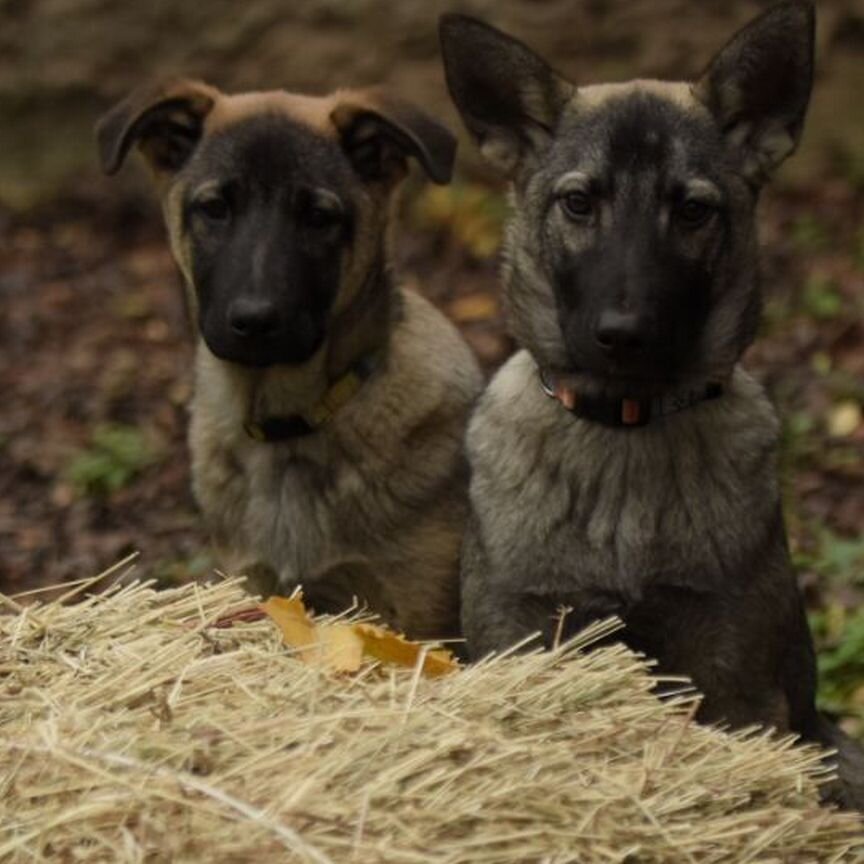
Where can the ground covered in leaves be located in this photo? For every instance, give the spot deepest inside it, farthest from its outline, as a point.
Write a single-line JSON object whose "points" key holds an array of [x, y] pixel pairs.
{"points": [[95, 357]]}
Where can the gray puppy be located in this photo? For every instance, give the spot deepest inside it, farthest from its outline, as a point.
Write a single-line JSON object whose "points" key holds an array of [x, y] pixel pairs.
{"points": [[623, 462], [329, 404]]}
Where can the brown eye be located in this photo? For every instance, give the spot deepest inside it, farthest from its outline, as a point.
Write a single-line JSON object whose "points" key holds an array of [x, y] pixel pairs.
{"points": [[214, 209], [322, 210], [576, 205], [693, 213], [321, 217]]}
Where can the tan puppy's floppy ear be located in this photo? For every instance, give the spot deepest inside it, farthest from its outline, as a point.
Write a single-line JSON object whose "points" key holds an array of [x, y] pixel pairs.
{"points": [[380, 132], [165, 121], [758, 86]]}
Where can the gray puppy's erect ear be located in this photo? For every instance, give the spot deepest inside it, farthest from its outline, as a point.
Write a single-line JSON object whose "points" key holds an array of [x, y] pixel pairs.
{"points": [[509, 98], [165, 120], [758, 86], [379, 132]]}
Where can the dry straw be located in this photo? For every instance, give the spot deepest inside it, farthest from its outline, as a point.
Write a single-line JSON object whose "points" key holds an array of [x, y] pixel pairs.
{"points": [[134, 731]]}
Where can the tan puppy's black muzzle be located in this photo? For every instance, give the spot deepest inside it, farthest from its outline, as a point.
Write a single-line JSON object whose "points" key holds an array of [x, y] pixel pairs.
{"points": [[255, 335], [252, 318]]}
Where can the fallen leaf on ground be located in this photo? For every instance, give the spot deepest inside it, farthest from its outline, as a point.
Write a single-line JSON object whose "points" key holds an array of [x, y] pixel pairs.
{"points": [[480, 306], [844, 419]]}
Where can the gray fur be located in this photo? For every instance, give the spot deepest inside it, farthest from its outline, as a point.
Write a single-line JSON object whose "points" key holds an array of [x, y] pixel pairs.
{"points": [[570, 513], [676, 526]]}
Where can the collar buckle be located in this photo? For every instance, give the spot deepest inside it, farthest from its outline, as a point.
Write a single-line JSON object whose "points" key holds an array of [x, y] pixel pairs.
{"points": [[281, 428]]}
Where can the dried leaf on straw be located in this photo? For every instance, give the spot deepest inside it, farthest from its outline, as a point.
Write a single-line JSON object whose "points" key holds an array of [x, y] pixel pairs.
{"points": [[390, 647], [292, 619], [341, 647]]}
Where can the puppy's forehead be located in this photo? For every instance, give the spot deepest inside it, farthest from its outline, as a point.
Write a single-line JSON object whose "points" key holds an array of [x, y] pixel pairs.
{"points": [[312, 112], [677, 93], [270, 138], [637, 126]]}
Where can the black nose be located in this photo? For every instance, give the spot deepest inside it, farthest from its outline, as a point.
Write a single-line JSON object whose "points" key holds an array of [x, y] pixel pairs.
{"points": [[251, 317], [617, 332]]}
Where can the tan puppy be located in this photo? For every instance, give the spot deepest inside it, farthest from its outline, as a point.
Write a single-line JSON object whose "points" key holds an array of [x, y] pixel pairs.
{"points": [[329, 403]]}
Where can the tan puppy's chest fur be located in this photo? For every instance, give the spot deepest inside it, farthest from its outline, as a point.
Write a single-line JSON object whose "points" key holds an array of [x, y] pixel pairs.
{"points": [[378, 494]]}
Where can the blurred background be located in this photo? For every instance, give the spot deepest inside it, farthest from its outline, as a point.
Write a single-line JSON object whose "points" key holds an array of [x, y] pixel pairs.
{"points": [[95, 347]]}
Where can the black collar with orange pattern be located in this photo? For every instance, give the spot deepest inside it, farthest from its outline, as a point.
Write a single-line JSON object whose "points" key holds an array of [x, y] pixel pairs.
{"points": [[624, 413]]}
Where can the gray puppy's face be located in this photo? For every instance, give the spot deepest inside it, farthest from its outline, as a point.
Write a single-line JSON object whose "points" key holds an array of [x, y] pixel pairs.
{"points": [[631, 255]]}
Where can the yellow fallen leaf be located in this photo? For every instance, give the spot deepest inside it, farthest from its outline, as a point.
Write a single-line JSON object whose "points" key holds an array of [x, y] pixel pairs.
{"points": [[341, 647], [291, 617], [844, 419], [471, 214], [480, 306], [390, 647], [332, 646]]}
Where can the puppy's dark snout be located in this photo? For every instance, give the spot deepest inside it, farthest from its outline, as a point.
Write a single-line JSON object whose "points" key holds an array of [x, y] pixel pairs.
{"points": [[251, 317], [617, 332]]}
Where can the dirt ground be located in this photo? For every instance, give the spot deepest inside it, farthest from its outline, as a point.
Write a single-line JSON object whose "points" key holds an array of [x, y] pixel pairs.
{"points": [[93, 332], [95, 354]]}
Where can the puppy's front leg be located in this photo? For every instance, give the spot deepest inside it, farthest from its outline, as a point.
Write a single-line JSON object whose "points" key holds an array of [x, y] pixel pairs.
{"points": [[494, 619], [348, 583]]}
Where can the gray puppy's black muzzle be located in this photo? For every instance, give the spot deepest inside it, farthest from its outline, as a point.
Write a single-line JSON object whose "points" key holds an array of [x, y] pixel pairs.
{"points": [[615, 344]]}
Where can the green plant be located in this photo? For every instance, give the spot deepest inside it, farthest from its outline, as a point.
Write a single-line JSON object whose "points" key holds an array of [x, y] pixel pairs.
{"points": [[838, 627], [840, 639], [115, 455], [808, 234], [173, 572], [821, 298], [839, 559]]}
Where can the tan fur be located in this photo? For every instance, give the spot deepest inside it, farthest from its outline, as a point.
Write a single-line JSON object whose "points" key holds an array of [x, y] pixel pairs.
{"points": [[313, 111], [680, 93], [382, 487], [372, 505]]}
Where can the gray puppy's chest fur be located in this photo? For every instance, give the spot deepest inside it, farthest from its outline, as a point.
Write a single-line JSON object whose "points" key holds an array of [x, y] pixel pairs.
{"points": [[567, 507]]}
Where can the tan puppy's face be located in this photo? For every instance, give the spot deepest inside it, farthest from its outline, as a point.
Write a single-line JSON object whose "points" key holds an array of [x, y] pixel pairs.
{"points": [[276, 204]]}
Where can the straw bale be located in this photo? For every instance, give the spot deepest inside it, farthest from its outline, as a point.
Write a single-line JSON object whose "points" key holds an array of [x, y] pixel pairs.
{"points": [[132, 730]]}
